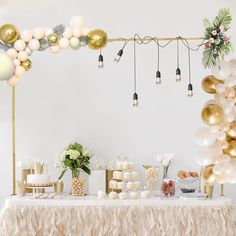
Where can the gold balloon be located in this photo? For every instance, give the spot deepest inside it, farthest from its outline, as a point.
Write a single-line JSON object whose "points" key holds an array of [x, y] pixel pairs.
{"points": [[97, 39], [231, 150], [209, 84], [27, 64], [231, 132], [9, 33], [53, 39], [212, 114], [208, 175]]}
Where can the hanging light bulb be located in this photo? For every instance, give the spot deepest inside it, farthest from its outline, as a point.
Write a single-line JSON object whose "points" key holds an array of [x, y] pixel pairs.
{"points": [[178, 71], [178, 75], [119, 55], [190, 90], [158, 78], [135, 99], [100, 61]]}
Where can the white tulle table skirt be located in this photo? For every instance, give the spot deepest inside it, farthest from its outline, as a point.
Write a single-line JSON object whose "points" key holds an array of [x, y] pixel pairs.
{"points": [[89, 216]]}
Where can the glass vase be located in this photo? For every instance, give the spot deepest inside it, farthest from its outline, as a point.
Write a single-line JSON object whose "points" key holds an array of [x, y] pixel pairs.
{"points": [[168, 188], [78, 184]]}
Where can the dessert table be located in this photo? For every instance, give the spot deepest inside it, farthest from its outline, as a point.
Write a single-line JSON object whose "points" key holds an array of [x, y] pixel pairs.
{"points": [[74, 216]]}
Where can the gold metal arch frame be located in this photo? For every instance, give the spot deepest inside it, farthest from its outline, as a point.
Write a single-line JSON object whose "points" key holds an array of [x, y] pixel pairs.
{"points": [[14, 100]]}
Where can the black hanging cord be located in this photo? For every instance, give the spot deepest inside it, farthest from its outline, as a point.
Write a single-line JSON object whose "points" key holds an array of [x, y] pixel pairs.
{"points": [[135, 82], [178, 52]]}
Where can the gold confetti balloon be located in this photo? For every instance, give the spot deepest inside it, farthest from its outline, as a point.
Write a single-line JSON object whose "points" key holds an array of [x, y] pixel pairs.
{"points": [[212, 114], [231, 132], [27, 64], [208, 175], [9, 33], [209, 84], [97, 39], [231, 150], [53, 39]]}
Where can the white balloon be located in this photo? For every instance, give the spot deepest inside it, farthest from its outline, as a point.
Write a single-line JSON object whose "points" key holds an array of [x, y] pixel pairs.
{"points": [[64, 43], [12, 53], [55, 49], [16, 62], [220, 135], [229, 117], [225, 158], [232, 64], [74, 43], [222, 70], [220, 88], [204, 156], [217, 170], [77, 22], [48, 31], [230, 92], [34, 44], [19, 71], [227, 167], [22, 56], [13, 80], [77, 32], [230, 81], [19, 45], [224, 126], [67, 33], [85, 31], [227, 108], [26, 35], [38, 32], [205, 137], [7, 67]]}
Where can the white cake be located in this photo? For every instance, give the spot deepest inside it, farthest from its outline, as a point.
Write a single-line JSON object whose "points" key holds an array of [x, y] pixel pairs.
{"points": [[38, 180]]}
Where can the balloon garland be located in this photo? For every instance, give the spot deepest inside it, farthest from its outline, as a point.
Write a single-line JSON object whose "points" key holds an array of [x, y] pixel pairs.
{"points": [[19, 46], [218, 141]]}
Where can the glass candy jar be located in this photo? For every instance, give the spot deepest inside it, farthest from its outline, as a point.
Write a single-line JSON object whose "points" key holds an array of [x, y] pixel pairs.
{"points": [[168, 188]]}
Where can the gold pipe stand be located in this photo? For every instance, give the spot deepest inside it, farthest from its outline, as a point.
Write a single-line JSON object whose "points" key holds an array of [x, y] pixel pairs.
{"points": [[13, 141], [151, 39], [222, 190]]}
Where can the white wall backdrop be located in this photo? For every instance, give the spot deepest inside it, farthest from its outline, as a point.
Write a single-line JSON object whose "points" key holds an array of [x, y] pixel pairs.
{"points": [[65, 97]]}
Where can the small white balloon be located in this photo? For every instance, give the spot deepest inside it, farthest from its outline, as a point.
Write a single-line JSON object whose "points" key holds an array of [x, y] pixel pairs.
{"points": [[77, 32], [230, 81], [77, 22], [26, 35], [22, 56], [205, 137], [13, 80], [220, 88], [16, 62], [229, 117], [19, 71], [85, 31], [12, 52], [222, 70], [221, 136], [74, 43], [48, 31], [55, 49], [232, 64], [34, 44], [19, 45], [7, 67], [67, 33], [225, 158], [227, 167], [38, 32], [64, 43], [230, 92]]}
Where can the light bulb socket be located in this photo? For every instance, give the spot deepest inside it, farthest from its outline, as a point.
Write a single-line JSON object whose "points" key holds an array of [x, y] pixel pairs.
{"points": [[178, 71], [190, 90], [158, 74], [120, 53], [178, 75], [100, 58], [135, 99]]}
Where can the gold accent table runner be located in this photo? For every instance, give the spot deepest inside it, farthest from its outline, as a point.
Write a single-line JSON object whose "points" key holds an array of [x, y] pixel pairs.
{"points": [[85, 216]]}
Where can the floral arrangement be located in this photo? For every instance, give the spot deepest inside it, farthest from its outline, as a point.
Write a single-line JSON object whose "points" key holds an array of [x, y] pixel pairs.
{"points": [[75, 158], [165, 161], [218, 43]]}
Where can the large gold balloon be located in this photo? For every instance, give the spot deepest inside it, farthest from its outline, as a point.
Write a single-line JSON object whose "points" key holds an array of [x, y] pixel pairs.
{"points": [[212, 114], [208, 175], [231, 132], [9, 34], [53, 39], [231, 150], [27, 64], [209, 84], [97, 39]]}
